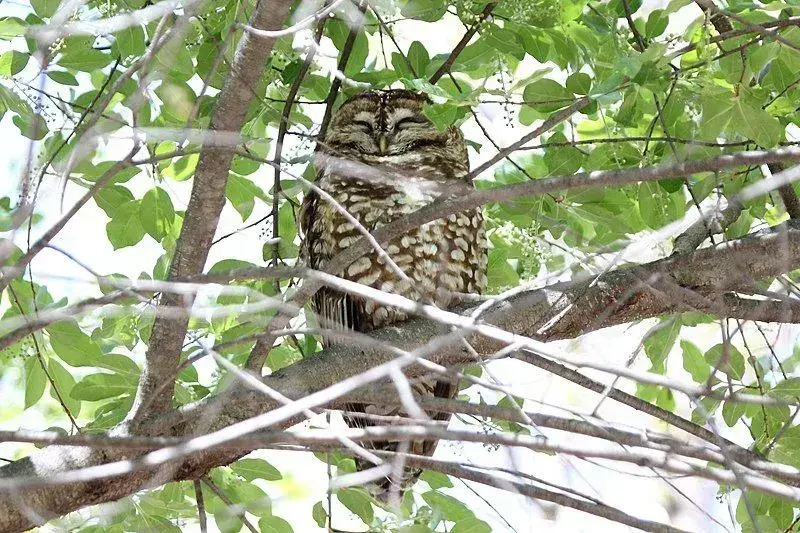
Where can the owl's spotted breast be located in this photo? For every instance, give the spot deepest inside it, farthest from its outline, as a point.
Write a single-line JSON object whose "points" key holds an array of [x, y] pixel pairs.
{"points": [[440, 259]]}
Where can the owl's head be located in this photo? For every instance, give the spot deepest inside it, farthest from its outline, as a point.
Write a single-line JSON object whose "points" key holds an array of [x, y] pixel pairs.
{"points": [[388, 123]]}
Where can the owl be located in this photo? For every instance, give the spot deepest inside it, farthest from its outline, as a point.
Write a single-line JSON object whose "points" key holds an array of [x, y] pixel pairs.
{"points": [[381, 159]]}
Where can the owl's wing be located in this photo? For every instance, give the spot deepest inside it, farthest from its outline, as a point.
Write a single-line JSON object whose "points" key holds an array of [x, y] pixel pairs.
{"points": [[335, 310]]}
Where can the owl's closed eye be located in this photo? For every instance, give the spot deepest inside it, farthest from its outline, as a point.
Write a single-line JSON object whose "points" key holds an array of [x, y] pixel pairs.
{"points": [[384, 124]]}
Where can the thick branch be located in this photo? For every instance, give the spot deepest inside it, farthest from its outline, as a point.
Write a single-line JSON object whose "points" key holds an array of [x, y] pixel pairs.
{"points": [[206, 202]]}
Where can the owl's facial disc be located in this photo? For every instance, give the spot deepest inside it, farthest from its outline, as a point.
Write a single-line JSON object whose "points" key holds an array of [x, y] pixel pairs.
{"points": [[384, 123]]}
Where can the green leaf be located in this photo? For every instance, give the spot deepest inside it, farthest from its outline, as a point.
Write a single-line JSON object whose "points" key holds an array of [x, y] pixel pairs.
{"points": [[252, 498], [110, 197], [579, 83], [756, 124], [72, 345], [471, 525], [11, 27], [242, 193], [416, 528], [561, 160], [358, 502], [32, 126], [435, 480], [251, 469], [319, 514], [121, 364], [658, 207], [621, 6], [476, 58], [45, 8], [85, 60], [427, 10], [175, 61], [282, 356], [547, 95], [96, 387], [444, 115], [447, 506], [537, 45], [111, 413], [419, 58], [717, 111], [787, 448], [505, 41], [659, 342], [274, 524], [732, 412], [501, 273], [734, 366], [694, 363], [338, 31], [63, 382], [12, 62], [788, 389], [129, 42], [93, 171], [62, 77], [125, 228], [35, 381], [156, 213], [656, 23]]}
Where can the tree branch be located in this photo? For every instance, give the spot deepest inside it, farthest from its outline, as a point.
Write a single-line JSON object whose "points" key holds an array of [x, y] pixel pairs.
{"points": [[205, 204], [445, 67]]}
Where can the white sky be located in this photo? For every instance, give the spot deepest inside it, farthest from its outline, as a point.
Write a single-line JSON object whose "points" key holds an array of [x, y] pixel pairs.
{"points": [[643, 496]]}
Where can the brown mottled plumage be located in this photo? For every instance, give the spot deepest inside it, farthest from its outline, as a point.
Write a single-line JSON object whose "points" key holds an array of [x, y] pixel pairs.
{"points": [[382, 159]]}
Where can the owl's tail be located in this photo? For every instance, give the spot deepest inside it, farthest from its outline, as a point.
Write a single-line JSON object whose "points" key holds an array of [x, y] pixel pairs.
{"points": [[392, 488]]}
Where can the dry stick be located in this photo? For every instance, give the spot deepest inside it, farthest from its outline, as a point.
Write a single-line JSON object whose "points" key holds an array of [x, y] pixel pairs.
{"points": [[634, 402], [282, 127], [657, 459], [718, 14], [731, 33], [714, 223], [206, 202], [201, 507], [240, 407], [41, 322], [662, 444], [674, 140], [605, 511], [448, 63], [235, 509], [347, 49], [18, 519], [443, 208]]}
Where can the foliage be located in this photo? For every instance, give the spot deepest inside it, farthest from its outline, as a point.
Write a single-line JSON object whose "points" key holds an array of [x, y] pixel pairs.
{"points": [[662, 90]]}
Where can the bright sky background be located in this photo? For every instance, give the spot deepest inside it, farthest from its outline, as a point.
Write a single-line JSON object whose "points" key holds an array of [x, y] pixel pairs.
{"points": [[643, 495]]}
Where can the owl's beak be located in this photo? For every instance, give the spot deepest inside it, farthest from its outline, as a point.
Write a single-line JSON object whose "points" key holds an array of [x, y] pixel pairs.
{"points": [[383, 143]]}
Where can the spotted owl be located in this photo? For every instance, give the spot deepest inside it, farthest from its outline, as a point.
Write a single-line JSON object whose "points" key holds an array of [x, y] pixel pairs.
{"points": [[381, 159]]}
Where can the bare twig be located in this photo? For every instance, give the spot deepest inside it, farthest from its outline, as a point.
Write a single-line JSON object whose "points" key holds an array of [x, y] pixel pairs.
{"points": [[445, 67]]}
